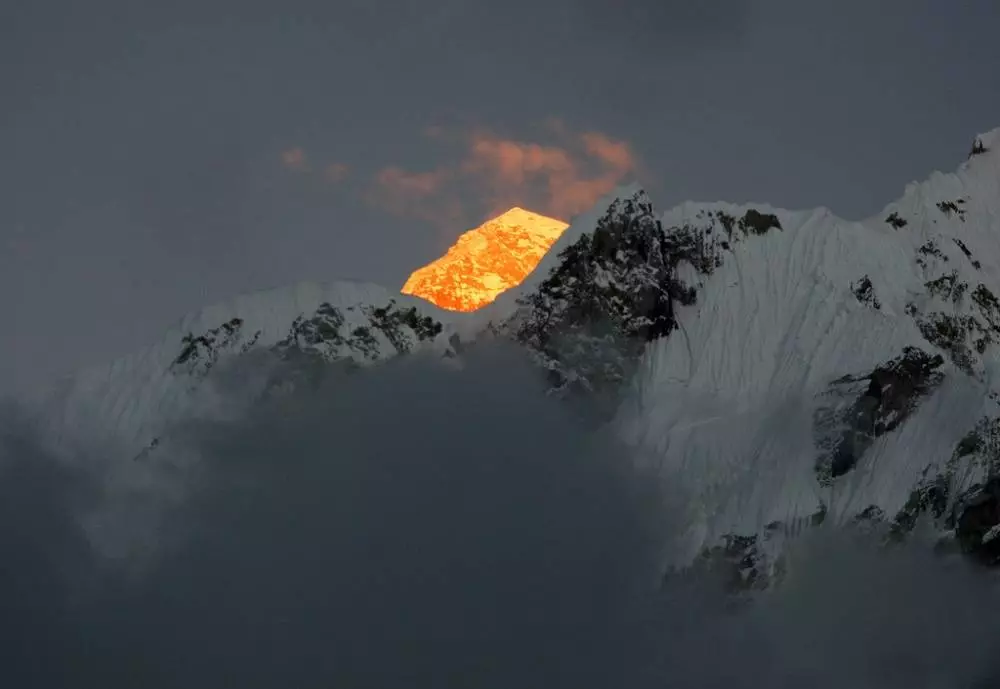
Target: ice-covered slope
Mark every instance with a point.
(791, 367)
(804, 381)
(784, 367)
(471, 325)
(486, 261)
(125, 405)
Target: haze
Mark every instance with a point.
(411, 527)
(157, 157)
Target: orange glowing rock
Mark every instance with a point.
(486, 261)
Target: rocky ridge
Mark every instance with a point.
(883, 333)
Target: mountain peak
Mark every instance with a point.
(529, 220)
(785, 367)
(486, 260)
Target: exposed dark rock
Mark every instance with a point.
(200, 353)
(961, 335)
(864, 291)
(947, 287)
(896, 221)
(616, 289)
(971, 517)
(753, 221)
(968, 522)
(612, 292)
(929, 249)
(741, 563)
(978, 148)
(953, 207)
(977, 527)
(968, 254)
(394, 323)
(930, 496)
(866, 407)
(988, 305)
(699, 246)
(948, 332)
(872, 519)
(322, 334)
(735, 563)
(964, 331)
(728, 222)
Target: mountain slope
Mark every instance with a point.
(127, 404)
(785, 368)
(806, 369)
(830, 367)
(486, 261)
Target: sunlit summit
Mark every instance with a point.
(486, 261)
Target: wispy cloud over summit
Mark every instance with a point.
(490, 173)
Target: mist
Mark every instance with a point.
(421, 526)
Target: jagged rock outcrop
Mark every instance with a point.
(616, 289)
(199, 353)
(978, 147)
(611, 293)
(324, 334)
(865, 293)
(960, 321)
(744, 564)
(325, 340)
(857, 409)
(966, 512)
(703, 243)
(790, 360)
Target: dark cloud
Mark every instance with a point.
(412, 526)
(417, 526)
(670, 26)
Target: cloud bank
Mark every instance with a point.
(421, 527)
(485, 174)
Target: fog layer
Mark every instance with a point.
(418, 526)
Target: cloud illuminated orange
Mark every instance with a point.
(294, 159)
(495, 173)
(616, 154)
(419, 195)
(414, 184)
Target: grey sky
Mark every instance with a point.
(141, 170)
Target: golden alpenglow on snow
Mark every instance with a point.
(486, 261)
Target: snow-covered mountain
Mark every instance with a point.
(486, 260)
(786, 368)
(829, 370)
(127, 404)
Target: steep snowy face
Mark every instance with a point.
(784, 368)
(827, 370)
(790, 368)
(486, 261)
(281, 335)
